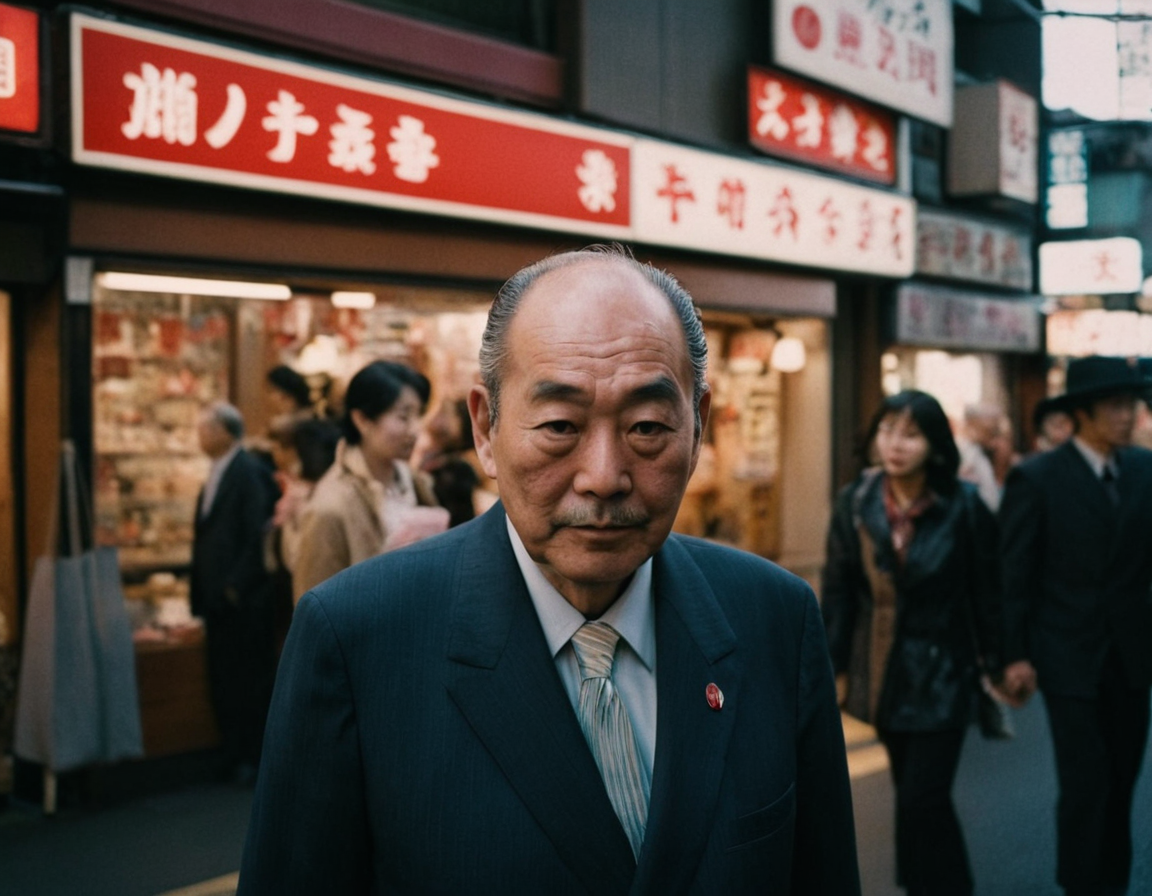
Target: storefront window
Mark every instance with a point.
(734, 495)
(160, 357)
(956, 379)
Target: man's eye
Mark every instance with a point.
(559, 427)
(649, 428)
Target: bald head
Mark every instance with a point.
(494, 347)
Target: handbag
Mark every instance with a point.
(77, 699)
(993, 716)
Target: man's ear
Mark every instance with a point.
(705, 407)
(482, 429)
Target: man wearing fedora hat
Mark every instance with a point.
(1075, 523)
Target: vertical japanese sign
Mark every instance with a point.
(1019, 142)
(19, 69)
(1067, 188)
(895, 52)
(963, 248)
(706, 201)
(798, 120)
(146, 101)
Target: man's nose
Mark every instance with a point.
(603, 466)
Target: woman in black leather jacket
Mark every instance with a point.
(911, 604)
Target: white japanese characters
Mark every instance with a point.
(7, 68)
(287, 119)
(351, 147)
(597, 175)
(412, 151)
(163, 106)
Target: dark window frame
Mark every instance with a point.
(381, 40)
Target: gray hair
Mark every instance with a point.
(494, 345)
(229, 418)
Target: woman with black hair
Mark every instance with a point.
(369, 500)
(911, 603)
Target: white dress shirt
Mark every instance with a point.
(1095, 459)
(633, 615)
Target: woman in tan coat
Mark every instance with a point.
(369, 501)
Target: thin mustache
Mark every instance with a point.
(600, 516)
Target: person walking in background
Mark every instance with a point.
(449, 457)
(231, 589)
(911, 602)
(983, 445)
(1052, 425)
(302, 449)
(560, 696)
(1075, 527)
(369, 501)
(289, 394)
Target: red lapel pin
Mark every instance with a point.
(715, 696)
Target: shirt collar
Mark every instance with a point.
(632, 614)
(1094, 458)
(221, 463)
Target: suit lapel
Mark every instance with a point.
(504, 680)
(695, 648)
(1086, 485)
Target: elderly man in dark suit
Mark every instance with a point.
(558, 697)
(1077, 568)
(230, 587)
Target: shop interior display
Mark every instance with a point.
(159, 359)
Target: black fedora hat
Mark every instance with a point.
(1088, 379)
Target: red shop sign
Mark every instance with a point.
(145, 101)
(19, 69)
(798, 120)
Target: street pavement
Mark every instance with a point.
(187, 839)
(1005, 796)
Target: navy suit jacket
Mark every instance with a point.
(228, 547)
(421, 741)
(1077, 570)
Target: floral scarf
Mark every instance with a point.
(902, 521)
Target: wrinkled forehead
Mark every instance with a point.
(598, 297)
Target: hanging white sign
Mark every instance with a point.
(895, 52)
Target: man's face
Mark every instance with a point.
(595, 439)
(1108, 423)
(214, 438)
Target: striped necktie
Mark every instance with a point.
(608, 730)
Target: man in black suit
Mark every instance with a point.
(1075, 528)
(559, 697)
(230, 587)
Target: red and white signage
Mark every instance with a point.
(19, 69)
(145, 101)
(895, 52)
(961, 248)
(946, 318)
(1091, 267)
(798, 120)
(711, 202)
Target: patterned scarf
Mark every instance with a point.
(902, 521)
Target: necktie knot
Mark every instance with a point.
(595, 646)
